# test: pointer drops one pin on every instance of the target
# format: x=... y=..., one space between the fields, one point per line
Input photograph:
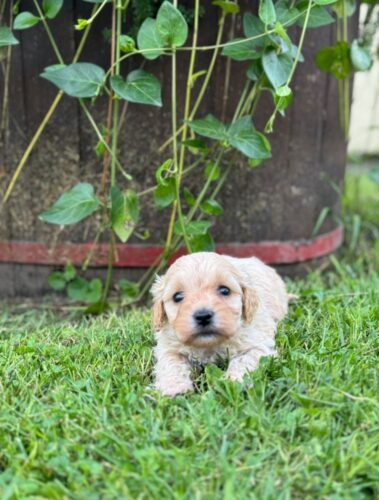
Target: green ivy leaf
x=195 y=144
x=283 y=98
x=212 y=171
x=129 y=290
x=283 y=91
x=56 y=281
x=127 y=44
x=165 y=195
x=360 y=57
x=227 y=7
x=267 y=12
x=246 y=139
x=77 y=289
x=149 y=38
x=54 y=67
x=69 y=272
x=171 y=25
x=210 y=127
x=119 y=215
x=293 y=53
x=253 y=27
x=77 y=80
x=283 y=34
x=94 y=291
x=140 y=87
x=25 y=20
x=345 y=7
x=277 y=67
x=318 y=16
x=51 y=8
x=72 y=206
x=202 y=243
x=193 y=228
x=189 y=197
x=335 y=60
x=100 y=148
x=132 y=204
x=285 y=14
x=240 y=49
x=164 y=168
x=85 y=291
x=254 y=71
x=6 y=37
x=81 y=24
x=255 y=163
x=212 y=207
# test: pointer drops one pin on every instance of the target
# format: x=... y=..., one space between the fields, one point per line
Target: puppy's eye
x=178 y=297
x=224 y=290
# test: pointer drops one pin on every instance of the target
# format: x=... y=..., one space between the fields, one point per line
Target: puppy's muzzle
x=203 y=317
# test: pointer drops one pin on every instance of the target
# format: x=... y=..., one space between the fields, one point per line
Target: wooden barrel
x=270 y=211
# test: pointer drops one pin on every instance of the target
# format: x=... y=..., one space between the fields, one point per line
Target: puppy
x=209 y=305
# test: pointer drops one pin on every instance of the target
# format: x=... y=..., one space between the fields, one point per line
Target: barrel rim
x=141 y=255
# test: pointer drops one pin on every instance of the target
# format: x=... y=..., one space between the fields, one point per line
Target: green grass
x=79 y=418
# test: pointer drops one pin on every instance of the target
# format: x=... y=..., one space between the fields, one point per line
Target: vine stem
x=297 y=57
x=240 y=107
x=346 y=83
x=301 y=42
x=108 y=279
x=179 y=168
x=41 y=126
x=204 y=189
x=189 y=85
x=185 y=172
x=228 y=67
x=31 y=146
x=101 y=138
x=116 y=106
x=48 y=32
x=207 y=78
x=8 y=61
x=92 y=249
x=96 y=13
x=115 y=133
x=107 y=158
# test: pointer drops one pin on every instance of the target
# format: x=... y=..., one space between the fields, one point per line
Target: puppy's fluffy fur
x=244 y=300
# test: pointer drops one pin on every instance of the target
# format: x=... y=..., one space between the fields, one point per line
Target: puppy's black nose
x=203 y=317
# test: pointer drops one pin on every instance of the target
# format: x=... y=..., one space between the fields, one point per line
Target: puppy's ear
x=159 y=313
x=250 y=303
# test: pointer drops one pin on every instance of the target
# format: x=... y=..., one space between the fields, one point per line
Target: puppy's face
x=203 y=298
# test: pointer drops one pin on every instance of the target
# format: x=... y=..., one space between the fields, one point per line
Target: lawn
x=80 y=419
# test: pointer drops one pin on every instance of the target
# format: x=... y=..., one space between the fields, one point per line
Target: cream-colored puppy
x=209 y=305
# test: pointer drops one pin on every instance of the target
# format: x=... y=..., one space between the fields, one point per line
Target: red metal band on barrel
x=130 y=255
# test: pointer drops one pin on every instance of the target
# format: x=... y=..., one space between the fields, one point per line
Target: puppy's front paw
x=174 y=389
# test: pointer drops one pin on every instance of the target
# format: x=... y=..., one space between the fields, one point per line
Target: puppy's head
x=204 y=299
